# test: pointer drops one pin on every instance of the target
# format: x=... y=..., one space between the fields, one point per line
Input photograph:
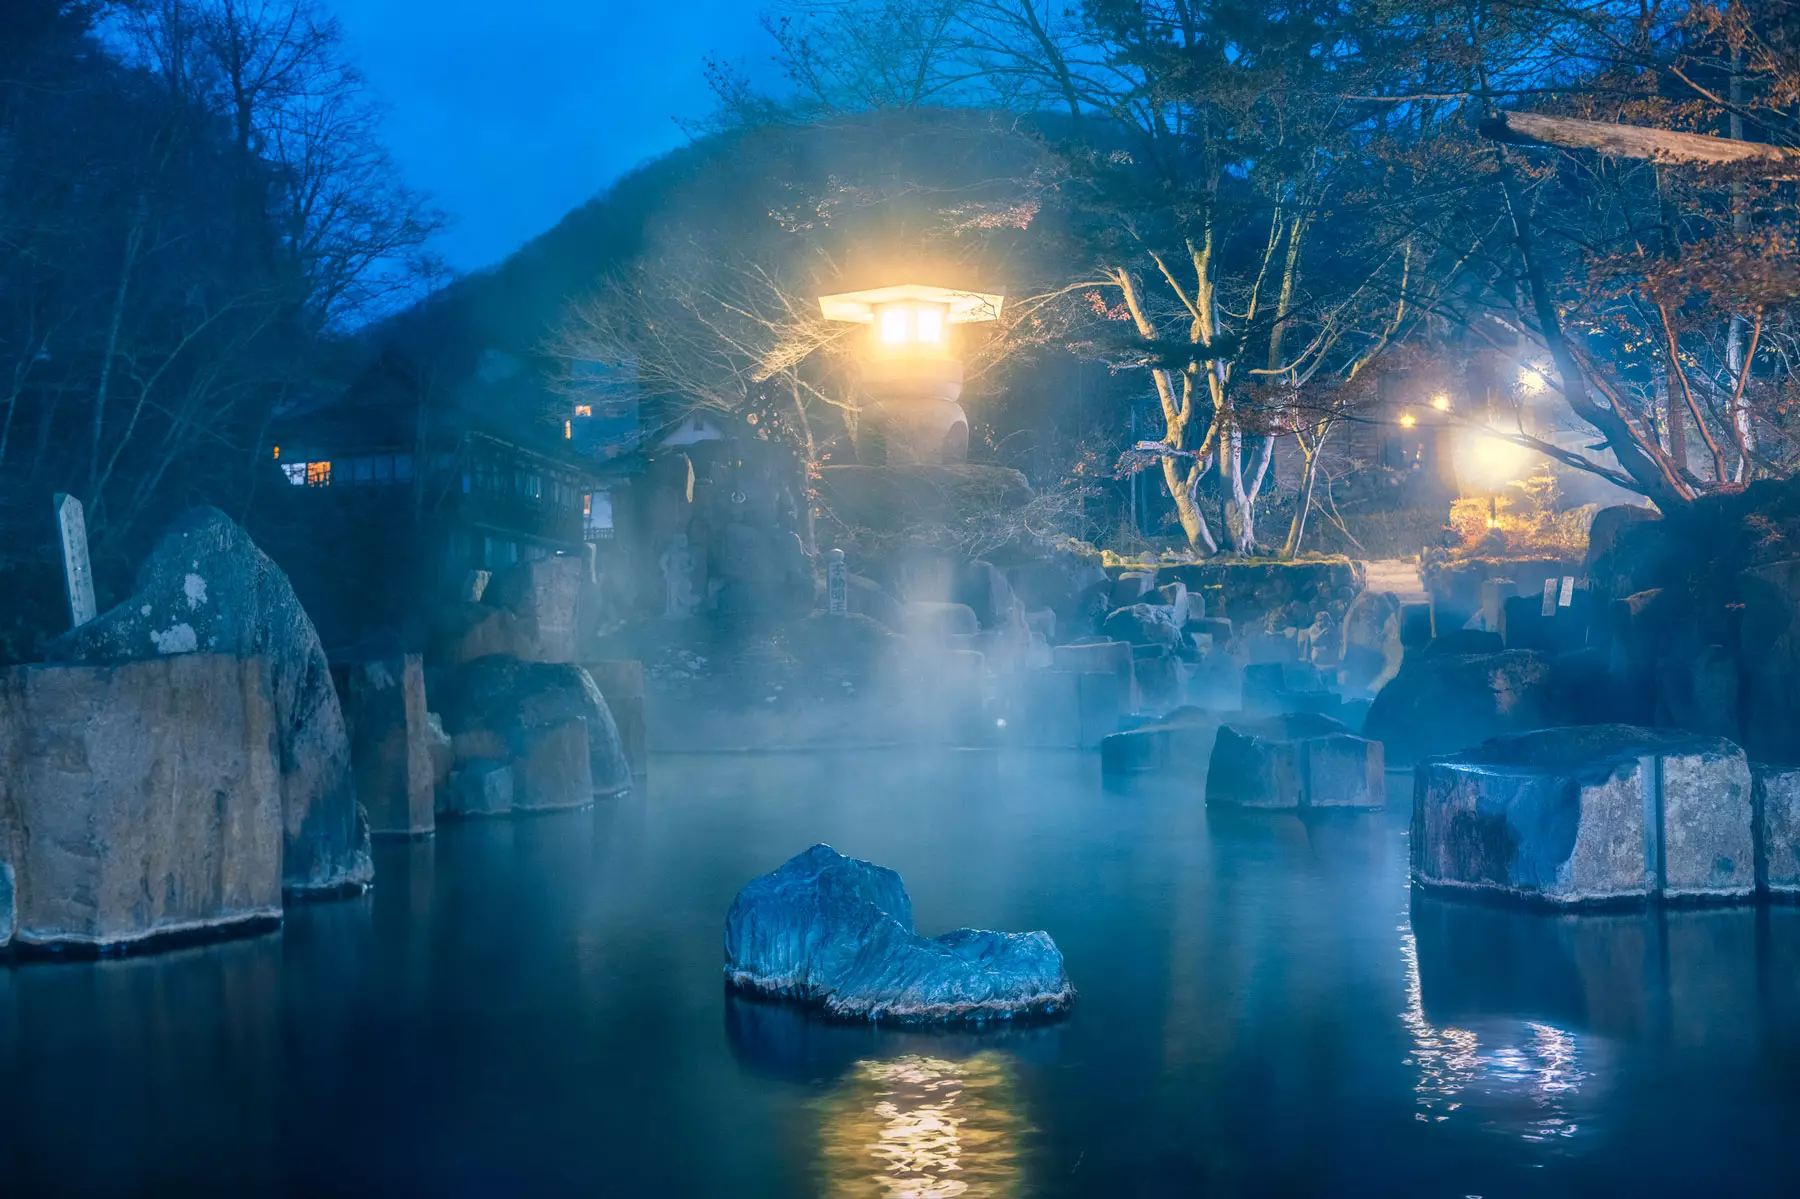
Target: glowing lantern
x=911 y=377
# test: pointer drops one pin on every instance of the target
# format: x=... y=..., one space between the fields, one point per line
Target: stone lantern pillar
x=911 y=377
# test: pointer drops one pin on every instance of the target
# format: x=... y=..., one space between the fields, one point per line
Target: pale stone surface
x=838 y=932
x=207 y=577
x=391 y=744
x=139 y=800
x=1300 y=760
x=1599 y=813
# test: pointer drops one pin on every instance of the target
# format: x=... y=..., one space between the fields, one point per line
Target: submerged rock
x=1599 y=813
x=207 y=588
x=137 y=801
x=838 y=932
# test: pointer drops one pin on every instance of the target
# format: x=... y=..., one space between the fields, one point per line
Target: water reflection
x=1521 y=1084
x=921 y=1127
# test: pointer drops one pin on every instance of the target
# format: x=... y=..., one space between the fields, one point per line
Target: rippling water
x=534 y=1006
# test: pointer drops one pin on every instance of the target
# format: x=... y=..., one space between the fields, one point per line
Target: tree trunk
x=1309 y=473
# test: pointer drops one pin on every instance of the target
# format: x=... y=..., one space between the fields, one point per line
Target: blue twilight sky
x=512 y=112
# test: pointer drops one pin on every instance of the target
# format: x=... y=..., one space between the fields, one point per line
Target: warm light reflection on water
x=1542 y=1071
x=923 y=1128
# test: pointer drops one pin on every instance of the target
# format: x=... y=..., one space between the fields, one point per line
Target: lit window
x=931 y=324
x=296 y=473
x=893 y=325
x=318 y=474
x=587 y=505
x=278 y=453
x=584 y=410
x=568 y=430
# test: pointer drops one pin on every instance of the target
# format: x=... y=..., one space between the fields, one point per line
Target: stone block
x=545 y=593
x=1777 y=828
x=1180 y=743
x=551 y=767
x=482 y=787
x=621 y=685
x=1593 y=814
x=140 y=800
x=494 y=708
x=1114 y=657
x=1141 y=624
x=207 y=588
x=1153 y=670
x=1131 y=588
x=1292 y=762
x=1216 y=627
x=1174 y=596
x=390 y=744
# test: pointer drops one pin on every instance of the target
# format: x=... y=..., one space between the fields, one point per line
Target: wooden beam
x=1636 y=141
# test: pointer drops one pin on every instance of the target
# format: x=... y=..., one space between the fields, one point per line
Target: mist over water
x=534 y=1006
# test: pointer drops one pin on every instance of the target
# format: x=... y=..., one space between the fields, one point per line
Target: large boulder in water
x=838 y=932
x=138 y=801
x=207 y=588
x=1440 y=703
x=1592 y=814
x=523 y=711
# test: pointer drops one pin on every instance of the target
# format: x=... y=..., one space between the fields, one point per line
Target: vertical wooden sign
x=78 y=575
x=1549 y=608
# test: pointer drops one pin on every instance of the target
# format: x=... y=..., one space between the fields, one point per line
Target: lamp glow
x=1532 y=382
x=931 y=324
x=1441 y=402
x=893 y=325
x=1408 y=420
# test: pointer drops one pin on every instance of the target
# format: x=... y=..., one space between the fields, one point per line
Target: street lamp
x=911 y=377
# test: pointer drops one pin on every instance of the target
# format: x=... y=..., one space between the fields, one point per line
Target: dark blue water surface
x=534 y=1006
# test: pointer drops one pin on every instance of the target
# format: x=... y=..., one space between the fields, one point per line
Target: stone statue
x=678 y=580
